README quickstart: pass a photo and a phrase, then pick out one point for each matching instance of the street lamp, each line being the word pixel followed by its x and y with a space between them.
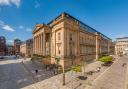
pixel 59 44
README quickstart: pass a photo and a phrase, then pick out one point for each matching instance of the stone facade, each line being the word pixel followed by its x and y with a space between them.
pixel 26 48
pixel 68 41
pixel 121 46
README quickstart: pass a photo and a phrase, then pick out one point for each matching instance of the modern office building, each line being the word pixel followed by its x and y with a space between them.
pixel 121 46
pixel 17 44
pixel 2 46
pixel 67 41
pixel 26 48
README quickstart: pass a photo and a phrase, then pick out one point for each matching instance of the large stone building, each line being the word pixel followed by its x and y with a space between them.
pixel 26 48
pixel 121 46
pixel 67 41
pixel 2 46
pixel 17 44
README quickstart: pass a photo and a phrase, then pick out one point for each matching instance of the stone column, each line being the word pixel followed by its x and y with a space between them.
pixel 41 43
pixel 34 45
pixel 44 44
pixel 37 51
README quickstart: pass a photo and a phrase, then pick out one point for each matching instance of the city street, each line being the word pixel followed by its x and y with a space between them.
pixel 12 74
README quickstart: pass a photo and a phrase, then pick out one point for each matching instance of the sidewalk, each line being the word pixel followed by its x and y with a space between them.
pixel 42 73
pixel 47 80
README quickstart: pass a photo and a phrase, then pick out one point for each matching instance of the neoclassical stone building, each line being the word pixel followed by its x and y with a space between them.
pixel 26 48
pixel 67 41
pixel 121 46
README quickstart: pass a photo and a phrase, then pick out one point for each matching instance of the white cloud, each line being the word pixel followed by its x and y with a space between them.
pixel 37 4
pixel 6 27
pixel 9 2
pixel 28 29
pixel 21 27
pixel 10 41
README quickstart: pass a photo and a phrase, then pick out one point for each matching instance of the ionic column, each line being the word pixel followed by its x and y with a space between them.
pixel 44 44
pixel 41 44
pixel 38 44
pixel 35 45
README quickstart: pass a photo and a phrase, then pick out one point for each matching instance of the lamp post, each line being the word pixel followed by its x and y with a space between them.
pixel 59 44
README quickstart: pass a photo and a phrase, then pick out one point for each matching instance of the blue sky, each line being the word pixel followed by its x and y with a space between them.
pixel 19 17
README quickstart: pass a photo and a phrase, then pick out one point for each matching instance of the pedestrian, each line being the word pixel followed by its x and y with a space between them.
pixel 123 64
pixel 98 69
pixel 36 71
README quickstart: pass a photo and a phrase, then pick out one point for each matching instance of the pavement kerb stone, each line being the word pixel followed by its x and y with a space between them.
pixel 126 77
pixel 88 86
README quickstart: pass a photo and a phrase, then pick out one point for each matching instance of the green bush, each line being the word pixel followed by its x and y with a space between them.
pixel 105 59
pixel 76 68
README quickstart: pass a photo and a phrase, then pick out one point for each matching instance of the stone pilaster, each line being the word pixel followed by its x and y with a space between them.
pixel 97 46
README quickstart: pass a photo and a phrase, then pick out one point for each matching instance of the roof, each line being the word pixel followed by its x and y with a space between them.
pixel 122 38
pixel 90 29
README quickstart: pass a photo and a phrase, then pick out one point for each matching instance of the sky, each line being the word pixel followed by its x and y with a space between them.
pixel 18 18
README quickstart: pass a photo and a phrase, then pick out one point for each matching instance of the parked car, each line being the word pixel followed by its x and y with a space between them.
pixel 1 57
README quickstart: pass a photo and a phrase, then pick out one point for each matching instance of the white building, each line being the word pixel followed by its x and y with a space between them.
pixel 121 46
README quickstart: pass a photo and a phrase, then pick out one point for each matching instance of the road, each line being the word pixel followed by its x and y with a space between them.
pixel 13 75
pixel 113 78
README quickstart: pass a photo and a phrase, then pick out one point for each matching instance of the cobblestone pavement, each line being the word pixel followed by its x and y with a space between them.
pixel 114 78
pixel 13 75
pixel 72 82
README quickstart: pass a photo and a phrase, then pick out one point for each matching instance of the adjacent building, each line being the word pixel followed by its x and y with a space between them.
pixel 17 44
pixel 67 41
pixel 10 50
pixel 121 46
pixel 2 46
pixel 26 48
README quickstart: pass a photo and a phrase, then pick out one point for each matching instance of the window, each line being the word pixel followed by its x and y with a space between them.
pixel 71 37
pixel 59 38
pixel 58 51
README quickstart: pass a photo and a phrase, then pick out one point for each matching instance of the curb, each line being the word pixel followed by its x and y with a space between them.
pixel 126 78
pixel 88 86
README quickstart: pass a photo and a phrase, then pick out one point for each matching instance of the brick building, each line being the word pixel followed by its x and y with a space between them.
pixel 16 45
pixel 2 46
